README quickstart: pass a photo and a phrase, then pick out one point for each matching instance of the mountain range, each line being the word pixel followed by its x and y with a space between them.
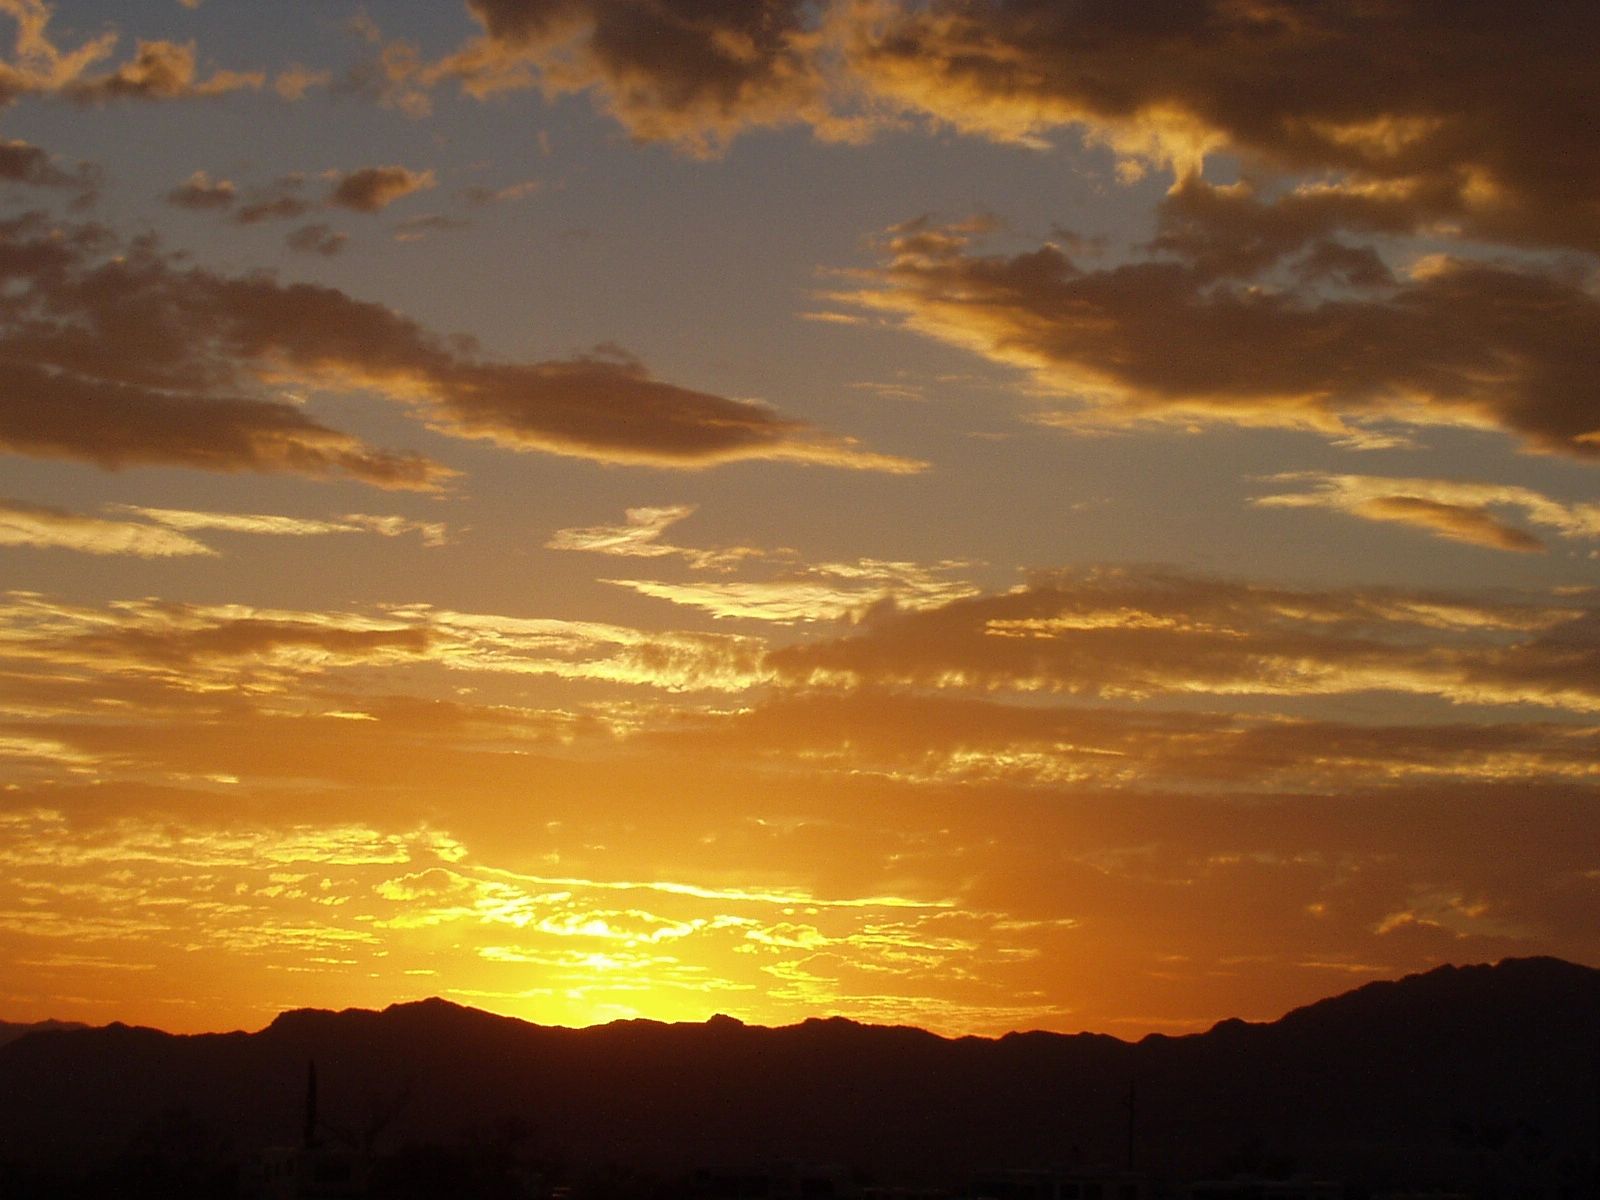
pixel 1429 1078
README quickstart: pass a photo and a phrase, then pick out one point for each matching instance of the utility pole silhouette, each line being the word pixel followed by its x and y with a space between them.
pixel 1595 1066
pixel 1133 1097
pixel 310 1135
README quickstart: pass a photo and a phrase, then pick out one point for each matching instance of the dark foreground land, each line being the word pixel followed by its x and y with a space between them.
pixel 1482 1080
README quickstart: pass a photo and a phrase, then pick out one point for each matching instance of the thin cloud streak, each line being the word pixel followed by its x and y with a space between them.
pixel 1458 510
pixel 1132 633
pixel 41 527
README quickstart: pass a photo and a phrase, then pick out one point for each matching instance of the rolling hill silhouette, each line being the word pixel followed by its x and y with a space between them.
pixel 1427 1077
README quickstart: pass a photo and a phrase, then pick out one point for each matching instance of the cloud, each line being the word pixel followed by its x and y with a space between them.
pixel 640 537
pixel 272 208
pixel 692 77
pixel 204 648
pixel 114 424
pixel 1170 85
pixel 53 528
pixel 201 192
pixel 1453 509
pixel 200 649
pixel 22 162
pixel 1138 633
pixel 849 847
pixel 127 358
pixel 294 81
pixel 415 229
pixel 365 190
pixel 1458 343
pixel 503 195
pixel 668 660
pixel 816 592
pixel 433 533
pixel 1174 82
pixel 317 238
pixel 1457 522
pixel 159 71
pixel 948 737
pixel 372 189
pixel 612 409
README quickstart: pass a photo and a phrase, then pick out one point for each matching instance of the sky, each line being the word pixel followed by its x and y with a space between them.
pixel 980 514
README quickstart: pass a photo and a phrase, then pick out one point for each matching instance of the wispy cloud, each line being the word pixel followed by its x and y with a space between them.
pixel 818 592
pixel 210 647
pixel 1132 633
pixel 1457 510
pixel 640 537
pixel 40 527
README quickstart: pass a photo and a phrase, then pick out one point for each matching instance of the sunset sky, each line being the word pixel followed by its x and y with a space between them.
pixel 984 514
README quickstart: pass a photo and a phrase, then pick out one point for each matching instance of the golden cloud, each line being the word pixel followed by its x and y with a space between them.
pixel 221 647
pixel 1138 633
pixel 54 528
pixel 639 536
pixel 1455 509
pixel 432 533
pixel 818 592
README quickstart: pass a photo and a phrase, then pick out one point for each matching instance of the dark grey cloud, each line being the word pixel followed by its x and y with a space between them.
pixel 371 189
pixel 119 355
pixel 1469 111
pixel 1455 342
pixel 317 238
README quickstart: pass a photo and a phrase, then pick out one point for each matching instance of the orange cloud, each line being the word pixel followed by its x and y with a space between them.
pixel 159 71
pixel 948 859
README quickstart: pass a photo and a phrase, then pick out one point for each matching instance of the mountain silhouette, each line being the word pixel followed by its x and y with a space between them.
pixel 10 1031
pixel 1429 1078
